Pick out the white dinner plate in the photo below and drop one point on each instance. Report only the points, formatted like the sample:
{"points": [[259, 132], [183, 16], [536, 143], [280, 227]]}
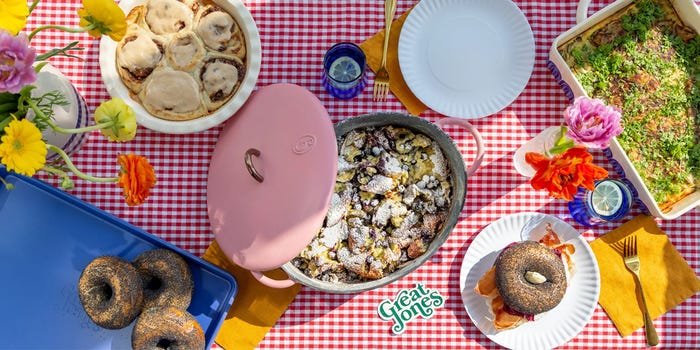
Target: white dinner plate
{"points": [[552, 328], [466, 58]]}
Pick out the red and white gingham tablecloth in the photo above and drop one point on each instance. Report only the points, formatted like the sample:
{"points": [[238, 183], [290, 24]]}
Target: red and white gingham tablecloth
{"points": [[295, 35]]}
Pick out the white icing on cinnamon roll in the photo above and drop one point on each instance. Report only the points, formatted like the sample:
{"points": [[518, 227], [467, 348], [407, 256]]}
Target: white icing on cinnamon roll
{"points": [[215, 29], [172, 91], [219, 77], [168, 16], [141, 53], [185, 50]]}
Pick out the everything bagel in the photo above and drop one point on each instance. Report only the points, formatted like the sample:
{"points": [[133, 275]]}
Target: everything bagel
{"points": [[530, 277]]}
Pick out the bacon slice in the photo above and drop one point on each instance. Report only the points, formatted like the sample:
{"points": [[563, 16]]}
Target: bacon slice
{"points": [[487, 287], [503, 319], [487, 284]]}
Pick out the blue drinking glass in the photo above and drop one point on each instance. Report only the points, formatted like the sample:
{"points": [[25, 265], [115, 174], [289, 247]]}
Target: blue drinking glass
{"points": [[344, 67], [610, 200]]}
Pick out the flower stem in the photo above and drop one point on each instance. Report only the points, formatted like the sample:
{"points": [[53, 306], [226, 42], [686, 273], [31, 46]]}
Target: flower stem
{"points": [[5, 122], [66, 182], [75, 170], [31, 8], [37, 110], [65, 29], [56, 128], [80, 130], [562, 142], [8, 185]]}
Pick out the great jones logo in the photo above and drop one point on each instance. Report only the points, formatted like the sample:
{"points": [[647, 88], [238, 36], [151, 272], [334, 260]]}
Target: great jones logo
{"points": [[409, 304]]}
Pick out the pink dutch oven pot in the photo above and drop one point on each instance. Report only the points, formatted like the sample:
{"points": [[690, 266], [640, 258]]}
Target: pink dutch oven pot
{"points": [[272, 175]]}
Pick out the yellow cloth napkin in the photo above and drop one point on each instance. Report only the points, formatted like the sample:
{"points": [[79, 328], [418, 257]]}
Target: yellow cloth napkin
{"points": [[372, 48], [666, 277], [256, 307]]}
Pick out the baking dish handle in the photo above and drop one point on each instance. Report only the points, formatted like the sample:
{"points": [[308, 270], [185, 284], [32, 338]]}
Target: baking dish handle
{"points": [[477, 138], [270, 282], [582, 10]]}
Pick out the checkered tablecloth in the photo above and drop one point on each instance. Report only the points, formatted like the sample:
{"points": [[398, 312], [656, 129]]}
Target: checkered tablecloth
{"points": [[295, 34]]}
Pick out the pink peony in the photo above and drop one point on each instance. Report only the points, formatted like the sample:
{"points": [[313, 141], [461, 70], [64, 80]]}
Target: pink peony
{"points": [[592, 123], [16, 59]]}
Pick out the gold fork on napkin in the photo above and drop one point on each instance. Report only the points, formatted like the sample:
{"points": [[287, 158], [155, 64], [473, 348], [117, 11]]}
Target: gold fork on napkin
{"points": [[667, 277], [629, 254], [381, 81]]}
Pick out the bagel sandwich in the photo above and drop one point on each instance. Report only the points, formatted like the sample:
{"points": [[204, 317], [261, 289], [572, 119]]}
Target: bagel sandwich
{"points": [[527, 279]]}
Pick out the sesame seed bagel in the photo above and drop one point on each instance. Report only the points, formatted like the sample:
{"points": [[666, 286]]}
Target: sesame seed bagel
{"points": [[530, 277]]}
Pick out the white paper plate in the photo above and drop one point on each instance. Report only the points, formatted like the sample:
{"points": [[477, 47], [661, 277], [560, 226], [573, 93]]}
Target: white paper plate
{"points": [[466, 58], [116, 88], [553, 328]]}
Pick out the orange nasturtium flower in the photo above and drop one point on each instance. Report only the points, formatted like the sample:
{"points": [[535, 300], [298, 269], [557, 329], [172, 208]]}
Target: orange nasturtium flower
{"points": [[564, 173], [136, 177]]}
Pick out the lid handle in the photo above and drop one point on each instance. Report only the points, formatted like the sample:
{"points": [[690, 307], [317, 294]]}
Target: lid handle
{"points": [[250, 166], [272, 283], [477, 138]]}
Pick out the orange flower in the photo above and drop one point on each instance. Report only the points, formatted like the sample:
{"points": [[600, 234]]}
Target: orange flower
{"points": [[136, 178], [564, 173]]}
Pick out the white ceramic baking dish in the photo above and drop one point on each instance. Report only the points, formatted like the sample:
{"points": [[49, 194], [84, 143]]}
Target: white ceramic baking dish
{"points": [[689, 14]]}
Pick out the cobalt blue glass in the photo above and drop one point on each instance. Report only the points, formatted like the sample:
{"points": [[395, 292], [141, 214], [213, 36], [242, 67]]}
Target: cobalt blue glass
{"points": [[590, 211], [344, 70]]}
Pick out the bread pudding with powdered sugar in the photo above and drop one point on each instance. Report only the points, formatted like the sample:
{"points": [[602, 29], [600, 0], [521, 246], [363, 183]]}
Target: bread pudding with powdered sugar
{"points": [[391, 198]]}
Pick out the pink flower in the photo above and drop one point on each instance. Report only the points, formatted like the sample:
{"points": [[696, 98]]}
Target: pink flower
{"points": [[16, 59], [592, 123]]}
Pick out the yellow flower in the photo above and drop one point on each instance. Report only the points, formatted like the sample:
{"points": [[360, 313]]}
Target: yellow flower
{"points": [[21, 148], [121, 118], [104, 17], [13, 15]]}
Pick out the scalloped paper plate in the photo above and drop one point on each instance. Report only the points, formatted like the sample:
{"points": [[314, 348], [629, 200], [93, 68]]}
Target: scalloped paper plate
{"points": [[466, 58], [554, 327], [116, 88]]}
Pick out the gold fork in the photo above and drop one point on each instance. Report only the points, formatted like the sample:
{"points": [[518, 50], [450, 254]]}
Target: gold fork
{"points": [[381, 81], [632, 262]]}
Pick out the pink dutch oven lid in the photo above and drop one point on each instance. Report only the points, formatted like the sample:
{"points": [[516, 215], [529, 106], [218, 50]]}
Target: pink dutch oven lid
{"points": [[271, 178]]}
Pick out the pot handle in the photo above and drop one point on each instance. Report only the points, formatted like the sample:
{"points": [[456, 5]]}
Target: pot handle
{"points": [[270, 282], [477, 138], [582, 10]]}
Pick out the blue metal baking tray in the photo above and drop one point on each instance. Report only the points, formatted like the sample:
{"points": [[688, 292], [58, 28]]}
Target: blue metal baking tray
{"points": [[47, 237]]}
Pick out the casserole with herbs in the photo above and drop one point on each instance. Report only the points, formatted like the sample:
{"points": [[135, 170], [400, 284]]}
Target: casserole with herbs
{"points": [[645, 60]]}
